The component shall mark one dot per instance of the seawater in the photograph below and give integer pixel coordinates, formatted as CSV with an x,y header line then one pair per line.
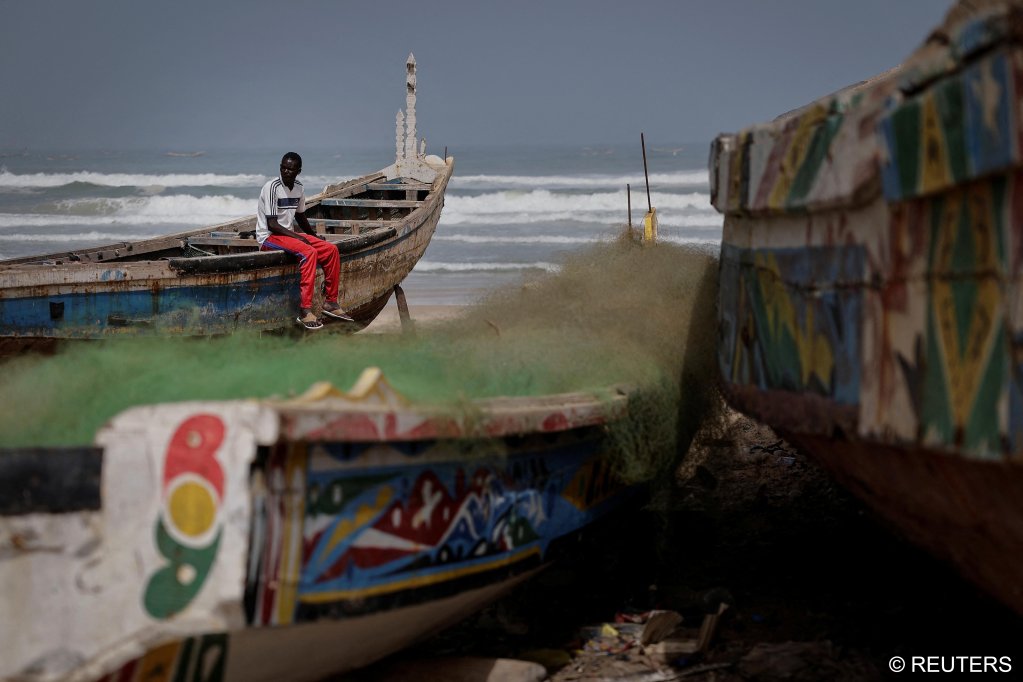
x,y
509,213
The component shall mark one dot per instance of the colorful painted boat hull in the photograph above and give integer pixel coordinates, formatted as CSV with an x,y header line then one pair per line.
x,y
263,541
869,304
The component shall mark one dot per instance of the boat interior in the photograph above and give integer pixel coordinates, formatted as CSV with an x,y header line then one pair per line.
x,y
353,214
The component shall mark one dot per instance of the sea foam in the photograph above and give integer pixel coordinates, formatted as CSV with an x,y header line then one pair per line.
x,y
679,179
27,180
176,209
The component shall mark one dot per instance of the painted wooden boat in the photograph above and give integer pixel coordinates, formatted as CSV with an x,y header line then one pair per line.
x,y
261,540
870,303
215,280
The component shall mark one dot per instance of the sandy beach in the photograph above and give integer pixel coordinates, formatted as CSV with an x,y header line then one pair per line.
x,y
422,316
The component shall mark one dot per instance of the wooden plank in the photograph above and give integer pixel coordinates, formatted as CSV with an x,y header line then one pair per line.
x,y
355,243
399,186
372,203
346,188
50,480
233,262
361,224
223,241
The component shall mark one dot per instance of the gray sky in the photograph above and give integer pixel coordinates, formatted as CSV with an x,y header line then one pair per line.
x,y
186,74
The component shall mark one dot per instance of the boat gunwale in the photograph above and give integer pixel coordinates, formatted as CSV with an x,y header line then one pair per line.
x,y
494,417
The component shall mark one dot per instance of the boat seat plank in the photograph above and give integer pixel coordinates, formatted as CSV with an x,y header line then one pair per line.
x,y
351,244
398,186
223,241
233,262
373,203
347,188
361,224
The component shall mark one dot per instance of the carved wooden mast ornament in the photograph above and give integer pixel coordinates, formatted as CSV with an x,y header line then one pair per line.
x,y
410,161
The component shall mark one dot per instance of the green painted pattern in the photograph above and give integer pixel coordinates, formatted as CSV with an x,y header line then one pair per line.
x,y
906,122
810,166
949,99
172,587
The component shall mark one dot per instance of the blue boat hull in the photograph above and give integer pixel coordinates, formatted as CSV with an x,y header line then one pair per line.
x,y
216,307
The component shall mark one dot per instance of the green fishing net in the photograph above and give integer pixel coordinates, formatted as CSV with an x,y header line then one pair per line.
x,y
618,313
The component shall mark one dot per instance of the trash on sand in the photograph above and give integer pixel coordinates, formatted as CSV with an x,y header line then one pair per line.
x,y
659,625
671,649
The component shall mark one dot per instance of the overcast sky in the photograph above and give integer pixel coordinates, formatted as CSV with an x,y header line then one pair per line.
x,y
185,74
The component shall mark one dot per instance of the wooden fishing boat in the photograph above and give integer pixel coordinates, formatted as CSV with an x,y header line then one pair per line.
x,y
272,540
216,280
870,297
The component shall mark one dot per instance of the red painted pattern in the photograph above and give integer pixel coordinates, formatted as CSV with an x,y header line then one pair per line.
x,y
424,519
192,449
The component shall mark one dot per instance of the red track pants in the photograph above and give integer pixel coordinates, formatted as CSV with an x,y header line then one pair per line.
x,y
317,253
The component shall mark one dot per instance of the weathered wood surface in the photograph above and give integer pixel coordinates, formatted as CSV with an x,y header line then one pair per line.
x,y
398,186
352,224
371,203
318,417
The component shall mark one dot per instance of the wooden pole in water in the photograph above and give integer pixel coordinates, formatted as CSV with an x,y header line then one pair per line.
x,y
646,176
650,220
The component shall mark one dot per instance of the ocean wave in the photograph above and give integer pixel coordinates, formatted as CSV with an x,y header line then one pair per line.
x,y
177,209
685,239
79,237
539,203
439,266
566,240
682,178
28,180
499,239
602,219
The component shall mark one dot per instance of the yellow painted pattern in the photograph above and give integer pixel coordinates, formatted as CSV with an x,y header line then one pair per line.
x,y
964,365
363,515
592,483
158,664
291,542
794,155
420,580
816,356
192,508
935,173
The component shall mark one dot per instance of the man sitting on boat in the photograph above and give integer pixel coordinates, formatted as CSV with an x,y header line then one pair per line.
x,y
281,208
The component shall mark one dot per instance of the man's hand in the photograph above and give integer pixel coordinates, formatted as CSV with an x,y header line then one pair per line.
x,y
276,228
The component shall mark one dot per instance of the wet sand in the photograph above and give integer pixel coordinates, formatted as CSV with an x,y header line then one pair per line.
x,y
389,321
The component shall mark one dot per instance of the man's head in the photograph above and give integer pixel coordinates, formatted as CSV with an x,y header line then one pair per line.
x,y
291,166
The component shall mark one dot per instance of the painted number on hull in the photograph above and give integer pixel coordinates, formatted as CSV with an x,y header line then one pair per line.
x,y
188,529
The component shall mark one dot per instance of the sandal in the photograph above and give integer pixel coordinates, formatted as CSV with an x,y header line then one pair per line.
x,y
309,321
335,311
